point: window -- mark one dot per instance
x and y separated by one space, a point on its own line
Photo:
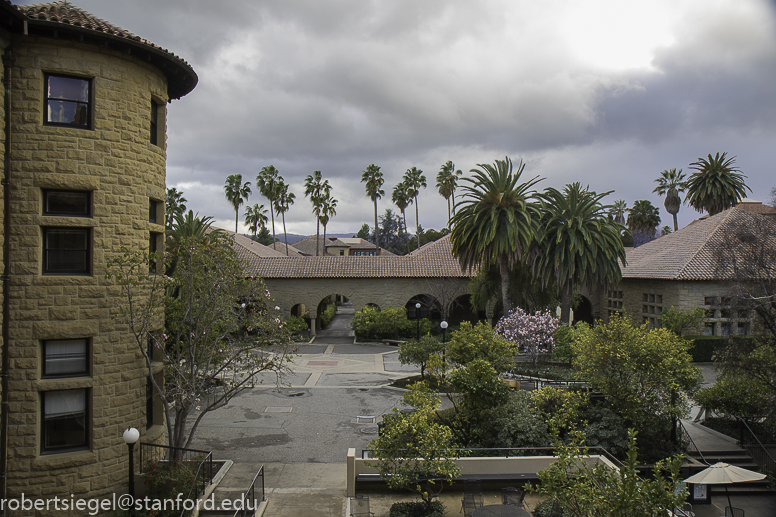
66 251
652 306
153 217
154 123
68 101
70 203
342 253
65 358
64 422
614 302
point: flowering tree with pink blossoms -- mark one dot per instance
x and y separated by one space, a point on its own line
530 333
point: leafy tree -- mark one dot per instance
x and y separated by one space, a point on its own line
530 333
328 209
561 409
677 321
478 341
512 424
646 374
476 390
643 220
236 192
188 226
426 236
717 184
263 237
174 204
414 180
665 230
268 181
255 218
576 243
773 196
283 202
446 183
670 184
583 489
420 352
736 395
391 233
526 289
402 200
374 182
219 328
318 189
496 221
364 232
414 451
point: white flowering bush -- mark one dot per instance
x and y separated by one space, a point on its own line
532 334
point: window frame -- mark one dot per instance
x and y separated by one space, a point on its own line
154 136
47 270
45 196
86 424
81 373
47 100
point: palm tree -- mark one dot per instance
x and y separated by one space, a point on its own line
617 211
316 188
236 192
446 183
495 223
186 226
671 183
402 200
577 243
374 180
643 220
283 202
414 180
174 204
717 185
328 210
255 218
268 180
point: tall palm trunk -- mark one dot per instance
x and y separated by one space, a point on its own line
318 235
272 214
285 235
417 224
236 218
377 230
565 304
506 291
448 211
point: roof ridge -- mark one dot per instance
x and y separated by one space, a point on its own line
706 241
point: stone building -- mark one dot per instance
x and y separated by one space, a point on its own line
83 177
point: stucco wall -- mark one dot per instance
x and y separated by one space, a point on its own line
117 163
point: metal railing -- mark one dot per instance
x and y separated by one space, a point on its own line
151 453
755 448
249 501
691 447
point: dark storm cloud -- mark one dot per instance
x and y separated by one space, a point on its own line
334 86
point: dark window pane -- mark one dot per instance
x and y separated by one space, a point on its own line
67 101
154 122
70 88
64 420
65 357
66 250
66 202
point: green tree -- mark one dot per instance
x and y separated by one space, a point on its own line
317 189
446 183
677 321
236 192
174 204
283 202
526 288
717 184
496 221
374 182
268 181
643 220
328 209
583 489
402 200
414 180
670 184
577 243
255 218
419 352
414 451
617 211
263 237
646 374
215 340
187 226
479 341
363 232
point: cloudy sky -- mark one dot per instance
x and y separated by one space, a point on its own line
605 92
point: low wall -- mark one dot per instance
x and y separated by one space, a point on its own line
472 466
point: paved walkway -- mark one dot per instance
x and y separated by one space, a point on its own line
301 433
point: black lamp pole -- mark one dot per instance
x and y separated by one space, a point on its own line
130 437
417 317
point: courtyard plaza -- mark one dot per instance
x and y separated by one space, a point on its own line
301 431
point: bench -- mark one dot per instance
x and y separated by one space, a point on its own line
393 342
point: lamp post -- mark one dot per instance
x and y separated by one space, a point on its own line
417 317
130 437
444 342
444 331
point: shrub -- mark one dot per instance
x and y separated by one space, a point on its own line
389 323
512 425
737 396
419 352
544 509
297 325
704 348
167 480
479 342
327 315
417 509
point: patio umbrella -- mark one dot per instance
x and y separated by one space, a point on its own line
724 474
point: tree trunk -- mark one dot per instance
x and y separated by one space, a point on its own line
377 230
417 224
676 226
506 292
324 241
236 218
285 235
318 235
565 304
272 214
448 212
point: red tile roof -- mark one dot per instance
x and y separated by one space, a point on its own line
689 253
